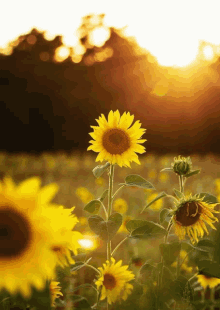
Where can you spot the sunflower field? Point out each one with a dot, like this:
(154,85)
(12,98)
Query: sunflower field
(120,229)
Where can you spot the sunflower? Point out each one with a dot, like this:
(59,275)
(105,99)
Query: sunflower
(191,216)
(206,281)
(54,292)
(115,141)
(114,280)
(120,205)
(27,233)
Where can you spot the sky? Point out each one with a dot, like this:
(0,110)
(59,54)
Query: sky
(171,30)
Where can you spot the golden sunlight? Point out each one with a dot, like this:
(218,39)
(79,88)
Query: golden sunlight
(170,30)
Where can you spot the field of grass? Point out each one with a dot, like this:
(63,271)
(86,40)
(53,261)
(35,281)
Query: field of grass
(78,186)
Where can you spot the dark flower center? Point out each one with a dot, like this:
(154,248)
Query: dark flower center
(115,141)
(189,213)
(109,281)
(15,232)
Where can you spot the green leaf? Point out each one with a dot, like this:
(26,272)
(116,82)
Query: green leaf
(192,173)
(105,229)
(150,229)
(209,268)
(170,251)
(159,196)
(80,302)
(167,170)
(178,193)
(208,198)
(93,206)
(104,195)
(147,273)
(165,215)
(99,170)
(206,242)
(137,180)
(178,287)
(134,224)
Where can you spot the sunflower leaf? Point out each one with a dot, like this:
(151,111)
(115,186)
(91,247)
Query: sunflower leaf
(165,215)
(206,242)
(100,169)
(138,181)
(208,198)
(149,229)
(80,302)
(170,251)
(93,206)
(192,173)
(134,224)
(104,195)
(159,196)
(209,268)
(178,193)
(167,170)
(105,229)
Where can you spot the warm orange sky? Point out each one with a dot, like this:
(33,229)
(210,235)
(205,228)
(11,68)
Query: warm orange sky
(170,29)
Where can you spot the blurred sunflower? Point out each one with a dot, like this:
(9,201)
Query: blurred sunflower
(84,194)
(125,221)
(191,216)
(27,221)
(115,141)
(114,280)
(54,292)
(120,205)
(206,281)
(157,205)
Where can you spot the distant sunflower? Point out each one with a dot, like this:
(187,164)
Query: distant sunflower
(27,222)
(191,217)
(206,281)
(114,280)
(54,292)
(115,141)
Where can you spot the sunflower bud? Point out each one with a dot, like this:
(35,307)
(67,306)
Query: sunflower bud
(181,165)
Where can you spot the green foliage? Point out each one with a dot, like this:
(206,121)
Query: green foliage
(147,273)
(138,181)
(100,169)
(178,193)
(104,195)
(105,229)
(170,252)
(80,302)
(165,215)
(209,268)
(192,173)
(145,229)
(93,206)
(208,198)
(159,196)
(79,265)
(206,242)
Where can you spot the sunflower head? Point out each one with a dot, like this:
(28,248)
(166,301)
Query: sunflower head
(113,281)
(191,216)
(181,165)
(54,292)
(207,281)
(115,141)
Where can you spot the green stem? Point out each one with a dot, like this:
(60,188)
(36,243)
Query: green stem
(116,192)
(106,214)
(117,246)
(111,176)
(87,265)
(160,278)
(178,263)
(181,182)
(185,257)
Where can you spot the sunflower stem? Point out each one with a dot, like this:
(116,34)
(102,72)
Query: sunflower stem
(116,192)
(181,182)
(117,246)
(111,177)
(106,214)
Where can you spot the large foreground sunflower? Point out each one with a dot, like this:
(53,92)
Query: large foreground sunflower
(206,281)
(114,280)
(54,292)
(191,216)
(29,227)
(115,141)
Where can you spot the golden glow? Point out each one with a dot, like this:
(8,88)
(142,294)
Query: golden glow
(99,36)
(170,30)
(88,242)
(208,52)
(61,53)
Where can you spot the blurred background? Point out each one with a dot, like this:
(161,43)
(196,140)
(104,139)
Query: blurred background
(62,64)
